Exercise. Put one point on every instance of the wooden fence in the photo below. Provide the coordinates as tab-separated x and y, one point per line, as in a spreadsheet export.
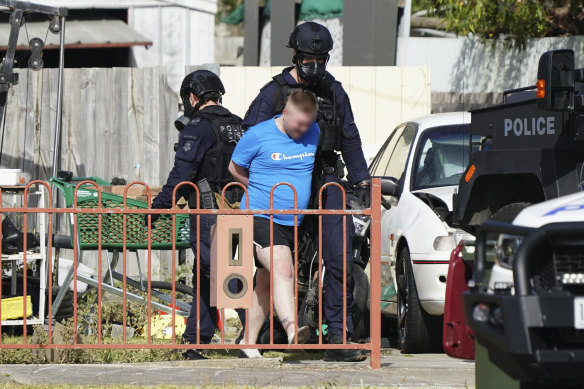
116	122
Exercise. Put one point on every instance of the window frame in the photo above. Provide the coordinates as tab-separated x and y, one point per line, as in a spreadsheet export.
419	149
375	163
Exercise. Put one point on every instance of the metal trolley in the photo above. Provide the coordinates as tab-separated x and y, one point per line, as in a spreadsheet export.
85	227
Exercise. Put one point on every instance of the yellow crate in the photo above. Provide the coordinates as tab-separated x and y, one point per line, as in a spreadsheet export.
12	307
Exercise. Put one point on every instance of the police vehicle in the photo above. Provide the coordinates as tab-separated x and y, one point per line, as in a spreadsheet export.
528	311
528	149
420	164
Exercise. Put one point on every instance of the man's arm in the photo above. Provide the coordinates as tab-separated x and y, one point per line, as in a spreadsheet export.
240	174
262	108
191	148
351	147
244	153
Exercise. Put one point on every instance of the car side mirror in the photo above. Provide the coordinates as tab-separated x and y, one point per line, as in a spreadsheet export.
555	80
389	187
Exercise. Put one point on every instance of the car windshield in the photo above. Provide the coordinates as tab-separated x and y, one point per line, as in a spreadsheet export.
442	157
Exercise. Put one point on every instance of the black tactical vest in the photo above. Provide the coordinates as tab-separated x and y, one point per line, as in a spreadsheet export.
329	119
228	131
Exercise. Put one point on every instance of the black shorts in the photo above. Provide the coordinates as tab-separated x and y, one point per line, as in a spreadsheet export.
283	235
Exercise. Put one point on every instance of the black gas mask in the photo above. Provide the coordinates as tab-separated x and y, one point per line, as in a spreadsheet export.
311	68
189	111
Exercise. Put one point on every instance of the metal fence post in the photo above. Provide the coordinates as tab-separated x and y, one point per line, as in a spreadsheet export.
375	278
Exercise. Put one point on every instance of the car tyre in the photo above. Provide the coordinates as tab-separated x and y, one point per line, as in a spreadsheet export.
418	332
508	212
359	312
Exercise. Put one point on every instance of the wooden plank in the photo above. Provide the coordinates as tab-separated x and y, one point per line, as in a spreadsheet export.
415	92
234	98
255	79
278	69
361	90
341	74
388	90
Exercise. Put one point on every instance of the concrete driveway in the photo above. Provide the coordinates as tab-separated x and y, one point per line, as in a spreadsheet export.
409	371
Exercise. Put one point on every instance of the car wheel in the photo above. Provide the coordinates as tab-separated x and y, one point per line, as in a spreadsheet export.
418	332
508	212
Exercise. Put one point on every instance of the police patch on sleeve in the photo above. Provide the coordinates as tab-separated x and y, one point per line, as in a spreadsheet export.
187	147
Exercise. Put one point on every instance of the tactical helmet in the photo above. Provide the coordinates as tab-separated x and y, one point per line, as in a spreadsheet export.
312	42
204	84
311	38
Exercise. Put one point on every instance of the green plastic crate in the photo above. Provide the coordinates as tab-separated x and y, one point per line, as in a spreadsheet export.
112	224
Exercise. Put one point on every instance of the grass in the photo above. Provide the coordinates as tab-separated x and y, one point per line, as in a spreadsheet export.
131	356
286	356
112	314
12	356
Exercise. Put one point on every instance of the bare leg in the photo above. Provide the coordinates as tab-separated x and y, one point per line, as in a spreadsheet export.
283	284
261	305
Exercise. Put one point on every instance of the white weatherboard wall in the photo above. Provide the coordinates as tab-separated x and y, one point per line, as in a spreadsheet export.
382	97
181	36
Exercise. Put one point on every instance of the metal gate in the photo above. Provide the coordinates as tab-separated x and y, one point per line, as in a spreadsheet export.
104	215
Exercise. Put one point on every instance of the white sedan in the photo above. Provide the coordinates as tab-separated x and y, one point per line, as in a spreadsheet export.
421	163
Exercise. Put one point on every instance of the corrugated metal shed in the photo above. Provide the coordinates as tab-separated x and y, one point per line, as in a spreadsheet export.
79	34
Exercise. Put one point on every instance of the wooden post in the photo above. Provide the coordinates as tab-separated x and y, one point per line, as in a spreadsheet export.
369	32
282	17
251	42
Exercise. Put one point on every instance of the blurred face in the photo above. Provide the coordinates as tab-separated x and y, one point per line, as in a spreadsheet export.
296	122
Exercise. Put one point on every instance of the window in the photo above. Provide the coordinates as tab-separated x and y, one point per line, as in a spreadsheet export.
442	157
379	163
399	157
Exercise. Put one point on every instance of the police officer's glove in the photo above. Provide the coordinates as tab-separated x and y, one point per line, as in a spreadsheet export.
364	193
153	216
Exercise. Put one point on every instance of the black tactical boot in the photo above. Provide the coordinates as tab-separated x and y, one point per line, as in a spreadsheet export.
339	355
193	355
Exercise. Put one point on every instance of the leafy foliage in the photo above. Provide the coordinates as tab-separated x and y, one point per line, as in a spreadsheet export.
512	20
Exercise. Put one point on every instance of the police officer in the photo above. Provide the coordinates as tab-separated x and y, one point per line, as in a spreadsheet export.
311	43
207	138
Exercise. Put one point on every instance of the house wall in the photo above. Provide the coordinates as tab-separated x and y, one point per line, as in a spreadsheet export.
180	36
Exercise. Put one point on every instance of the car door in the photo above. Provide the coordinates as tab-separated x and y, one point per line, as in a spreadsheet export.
391	161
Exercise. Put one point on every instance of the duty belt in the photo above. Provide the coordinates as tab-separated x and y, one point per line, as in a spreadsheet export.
207	195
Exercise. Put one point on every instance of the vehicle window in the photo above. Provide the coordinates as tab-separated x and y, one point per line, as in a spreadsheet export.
379	163
442	156
399	157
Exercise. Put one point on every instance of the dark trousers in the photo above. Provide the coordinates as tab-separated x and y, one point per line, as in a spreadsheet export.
332	254
208	315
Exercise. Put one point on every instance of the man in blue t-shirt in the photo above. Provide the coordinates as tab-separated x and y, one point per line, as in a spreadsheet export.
278	150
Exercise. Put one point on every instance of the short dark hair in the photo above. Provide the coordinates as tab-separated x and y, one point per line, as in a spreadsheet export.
304	100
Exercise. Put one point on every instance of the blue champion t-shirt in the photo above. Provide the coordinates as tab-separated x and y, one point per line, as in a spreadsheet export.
273	157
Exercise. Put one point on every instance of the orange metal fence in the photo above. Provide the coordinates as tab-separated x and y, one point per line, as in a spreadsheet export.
374	212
